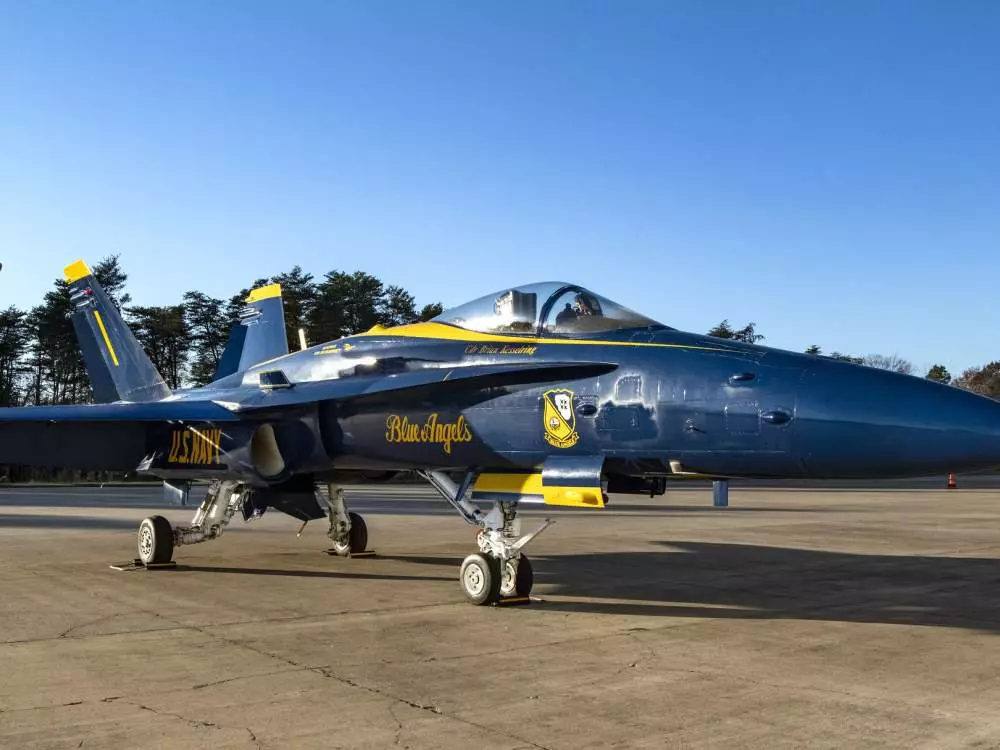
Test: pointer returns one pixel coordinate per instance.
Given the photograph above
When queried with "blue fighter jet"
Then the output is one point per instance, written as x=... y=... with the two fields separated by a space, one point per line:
x=546 y=393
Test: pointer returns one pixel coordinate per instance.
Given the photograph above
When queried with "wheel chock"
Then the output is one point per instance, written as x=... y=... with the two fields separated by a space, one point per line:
x=512 y=601
x=138 y=564
x=366 y=553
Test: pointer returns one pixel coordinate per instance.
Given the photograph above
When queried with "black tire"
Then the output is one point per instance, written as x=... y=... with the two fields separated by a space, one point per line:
x=480 y=578
x=357 y=539
x=517 y=579
x=155 y=541
x=359 y=533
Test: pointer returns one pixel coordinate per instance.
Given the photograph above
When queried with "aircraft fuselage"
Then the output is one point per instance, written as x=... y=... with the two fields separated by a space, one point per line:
x=674 y=402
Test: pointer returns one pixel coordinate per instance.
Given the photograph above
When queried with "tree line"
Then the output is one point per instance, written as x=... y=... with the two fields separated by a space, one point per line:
x=40 y=361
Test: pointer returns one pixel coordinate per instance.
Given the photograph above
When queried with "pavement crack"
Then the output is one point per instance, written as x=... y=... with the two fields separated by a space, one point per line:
x=397 y=738
x=375 y=691
x=41 y=708
x=65 y=633
x=175 y=625
x=253 y=738
x=194 y=723
x=203 y=685
x=326 y=672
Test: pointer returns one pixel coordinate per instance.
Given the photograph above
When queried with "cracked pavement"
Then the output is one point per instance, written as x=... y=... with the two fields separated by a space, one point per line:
x=795 y=618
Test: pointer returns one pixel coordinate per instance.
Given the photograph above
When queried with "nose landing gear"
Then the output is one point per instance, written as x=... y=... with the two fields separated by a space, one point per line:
x=500 y=542
x=499 y=573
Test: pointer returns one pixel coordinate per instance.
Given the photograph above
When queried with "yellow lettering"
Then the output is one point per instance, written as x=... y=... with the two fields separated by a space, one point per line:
x=174 y=441
x=186 y=445
x=218 y=446
x=400 y=429
x=392 y=429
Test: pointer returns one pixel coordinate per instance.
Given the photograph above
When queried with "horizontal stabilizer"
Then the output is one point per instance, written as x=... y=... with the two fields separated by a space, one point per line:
x=108 y=437
x=159 y=411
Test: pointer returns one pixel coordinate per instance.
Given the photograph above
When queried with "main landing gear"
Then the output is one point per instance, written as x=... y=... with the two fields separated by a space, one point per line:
x=499 y=572
x=348 y=531
x=156 y=539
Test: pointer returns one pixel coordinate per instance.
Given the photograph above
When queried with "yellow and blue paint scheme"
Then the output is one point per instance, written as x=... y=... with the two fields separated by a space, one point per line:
x=538 y=409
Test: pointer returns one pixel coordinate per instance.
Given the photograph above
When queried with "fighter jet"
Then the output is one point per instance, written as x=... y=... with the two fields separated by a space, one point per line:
x=546 y=393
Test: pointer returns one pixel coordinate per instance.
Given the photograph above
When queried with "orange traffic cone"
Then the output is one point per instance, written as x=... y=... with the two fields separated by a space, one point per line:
x=952 y=484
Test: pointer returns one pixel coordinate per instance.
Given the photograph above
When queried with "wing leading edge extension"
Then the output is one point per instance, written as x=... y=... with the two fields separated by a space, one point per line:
x=437 y=381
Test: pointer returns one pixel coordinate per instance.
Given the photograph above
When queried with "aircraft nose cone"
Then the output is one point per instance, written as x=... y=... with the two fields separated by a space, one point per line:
x=858 y=422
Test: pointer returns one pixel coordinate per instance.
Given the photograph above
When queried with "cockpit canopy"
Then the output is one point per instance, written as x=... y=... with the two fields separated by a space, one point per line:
x=548 y=308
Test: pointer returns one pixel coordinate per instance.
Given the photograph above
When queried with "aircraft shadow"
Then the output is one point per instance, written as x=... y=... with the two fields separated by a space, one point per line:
x=741 y=581
x=737 y=581
x=294 y=573
x=96 y=523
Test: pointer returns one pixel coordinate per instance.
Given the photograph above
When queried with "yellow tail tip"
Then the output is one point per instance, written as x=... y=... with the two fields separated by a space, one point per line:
x=264 y=292
x=76 y=271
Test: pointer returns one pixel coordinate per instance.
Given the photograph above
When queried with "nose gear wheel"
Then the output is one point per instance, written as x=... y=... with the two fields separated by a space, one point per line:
x=518 y=577
x=480 y=578
x=499 y=570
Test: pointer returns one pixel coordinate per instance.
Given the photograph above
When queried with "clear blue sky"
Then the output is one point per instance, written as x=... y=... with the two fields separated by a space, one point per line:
x=830 y=170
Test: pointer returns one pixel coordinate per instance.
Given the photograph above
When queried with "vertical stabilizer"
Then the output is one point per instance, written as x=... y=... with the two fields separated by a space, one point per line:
x=118 y=367
x=258 y=335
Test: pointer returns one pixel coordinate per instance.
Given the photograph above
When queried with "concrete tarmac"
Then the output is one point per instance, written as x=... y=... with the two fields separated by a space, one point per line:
x=823 y=618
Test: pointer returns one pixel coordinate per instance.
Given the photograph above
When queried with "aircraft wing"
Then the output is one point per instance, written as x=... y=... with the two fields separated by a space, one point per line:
x=113 y=437
x=413 y=383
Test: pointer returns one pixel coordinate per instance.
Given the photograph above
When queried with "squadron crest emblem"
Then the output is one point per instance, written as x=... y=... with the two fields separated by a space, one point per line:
x=560 y=418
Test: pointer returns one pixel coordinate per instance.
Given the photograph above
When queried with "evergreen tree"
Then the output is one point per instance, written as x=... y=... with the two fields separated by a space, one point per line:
x=163 y=333
x=13 y=340
x=939 y=373
x=208 y=322
x=430 y=311
x=298 y=293
x=747 y=334
x=112 y=277
x=396 y=307
x=722 y=331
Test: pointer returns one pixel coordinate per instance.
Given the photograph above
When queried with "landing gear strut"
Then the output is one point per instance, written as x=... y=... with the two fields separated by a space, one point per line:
x=499 y=571
x=348 y=531
x=156 y=540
